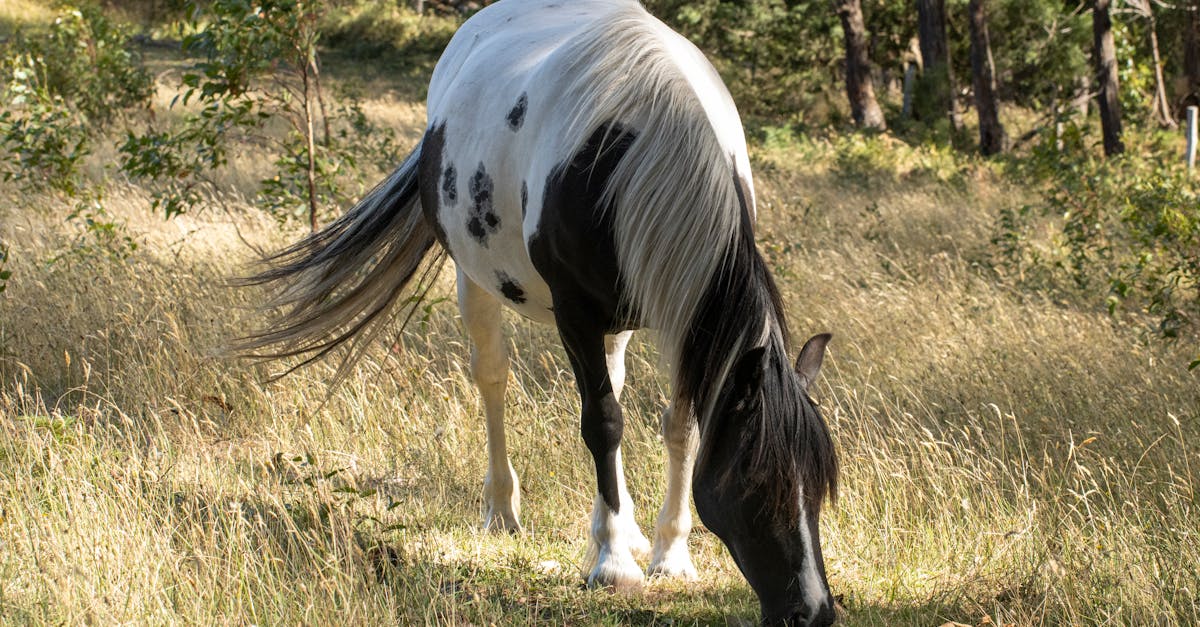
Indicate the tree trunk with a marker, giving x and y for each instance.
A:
(1082, 98)
(983, 69)
(863, 106)
(1104, 53)
(937, 83)
(1161, 107)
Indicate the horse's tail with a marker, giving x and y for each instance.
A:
(345, 282)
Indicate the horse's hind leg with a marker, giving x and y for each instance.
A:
(614, 357)
(489, 369)
(671, 557)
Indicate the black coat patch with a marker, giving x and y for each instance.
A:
(450, 185)
(524, 197)
(428, 173)
(510, 288)
(483, 220)
(516, 116)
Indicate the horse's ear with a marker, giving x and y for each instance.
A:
(748, 372)
(808, 364)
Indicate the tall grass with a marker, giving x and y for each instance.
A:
(1005, 455)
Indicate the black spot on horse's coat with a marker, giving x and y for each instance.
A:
(475, 228)
(510, 288)
(483, 220)
(516, 116)
(524, 197)
(450, 184)
(428, 171)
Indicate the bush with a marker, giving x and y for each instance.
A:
(1128, 226)
(86, 60)
(258, 68)
(373, 28)
(61, 87)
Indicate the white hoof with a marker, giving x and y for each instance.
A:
(673, 564)
(502, 498)
(498, 520)
(616, 570)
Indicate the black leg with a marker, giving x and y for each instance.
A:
(601, 422)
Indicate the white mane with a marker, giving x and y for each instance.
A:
(675, 187)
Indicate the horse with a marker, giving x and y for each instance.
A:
(585, 166)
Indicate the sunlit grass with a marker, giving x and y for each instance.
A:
(1004, 455)
(23, 14)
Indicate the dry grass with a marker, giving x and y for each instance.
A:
(1004, 456)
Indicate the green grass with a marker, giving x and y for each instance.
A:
(1005, 454)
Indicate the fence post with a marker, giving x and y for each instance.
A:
(1191, 137)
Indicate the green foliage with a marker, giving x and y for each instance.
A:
(1130, 227)
(86, 60)
(372, 28)
(61, 86)
(1041, 48)
(258, 69)
(776, 56)
(100, 234)
(45, 137)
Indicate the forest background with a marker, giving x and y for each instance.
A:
(988, 202)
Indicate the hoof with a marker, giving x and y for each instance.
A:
(501, 522)
(616, 572)
(673, 565)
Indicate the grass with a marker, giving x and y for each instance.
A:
(22, 14)
(1007, 457)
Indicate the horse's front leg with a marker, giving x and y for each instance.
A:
(489, 369)
(614, 357)
(601, 423)
(671, 557)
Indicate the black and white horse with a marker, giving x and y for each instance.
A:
(585, 166)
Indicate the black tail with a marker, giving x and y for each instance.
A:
(346, 282)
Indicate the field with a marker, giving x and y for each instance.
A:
(1008, 457)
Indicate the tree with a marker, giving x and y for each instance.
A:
(937, 82)
(983, 71)
(1104, 54)
(863, 106)
(1162, 109)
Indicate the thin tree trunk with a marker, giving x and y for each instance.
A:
(1082, 98)
(910, 81)
(316, 72)
(1161, 106)
(863, 106)
(305, 76)
(991, 133)
(1104, 52)
(938, 78)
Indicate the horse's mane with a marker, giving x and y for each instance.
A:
(685, 245)
(678, 215)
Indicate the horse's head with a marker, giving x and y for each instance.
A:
(766, 464)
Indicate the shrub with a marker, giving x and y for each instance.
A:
(1129, 227)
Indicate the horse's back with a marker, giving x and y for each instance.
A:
(504, 105)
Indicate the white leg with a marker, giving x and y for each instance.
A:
(489, 369)
(610, 555)
(671, 557)
(626, 522)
